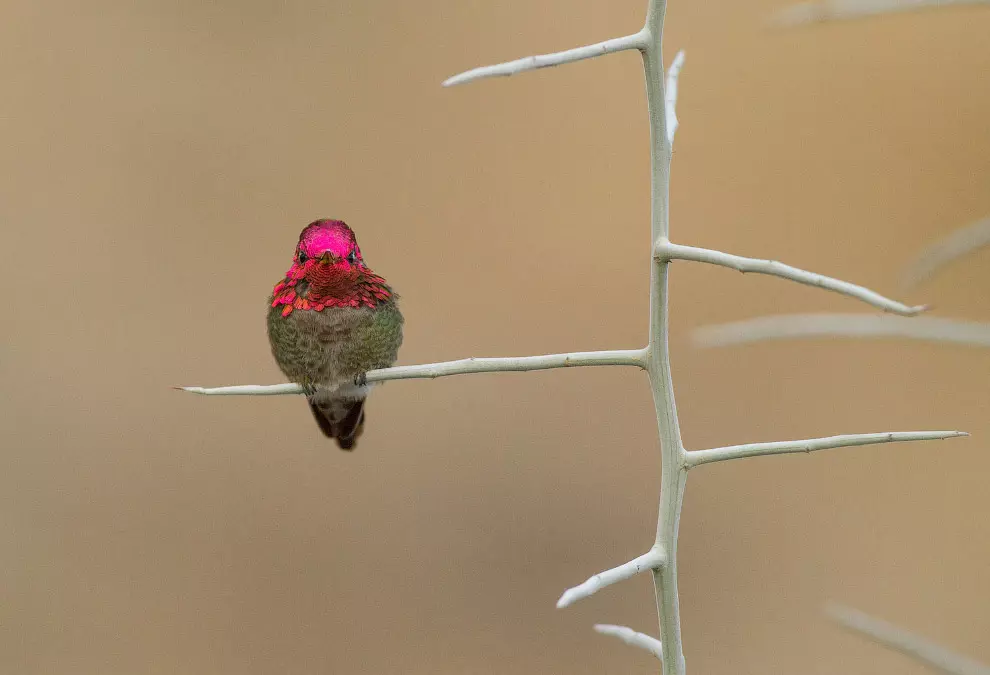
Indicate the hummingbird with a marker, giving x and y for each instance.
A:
(330, 321)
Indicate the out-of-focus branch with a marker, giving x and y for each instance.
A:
(698, 457)
(964, 240)
(820, 11)
(616, 357)
(648, 561)
(665, 250)
(791, 326)
(631, 637)
(900, 640)
(625, 43)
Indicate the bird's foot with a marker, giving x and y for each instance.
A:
(361, 379)
(309, 389)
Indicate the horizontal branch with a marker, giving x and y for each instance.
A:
(671, 103)
(631, 637)
(900, 640)
(820, 11)
(650, 560)
(665, 250)
(627, 42)
(959, 243)
(698, 457)
(615, 357)
(790, 326)
(246, 390)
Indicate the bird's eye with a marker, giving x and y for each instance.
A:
(352, 257)
(303, 257)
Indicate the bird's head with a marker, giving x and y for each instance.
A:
(328, 242)
(328, 271)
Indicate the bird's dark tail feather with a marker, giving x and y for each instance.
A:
(342, 420)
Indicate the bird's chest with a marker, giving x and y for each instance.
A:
(324, 347)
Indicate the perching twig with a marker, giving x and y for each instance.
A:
(819, 11)
(789, 326)
(961, 242)
(631, 637)
(661, 560)
(900, 640)
(617, 357)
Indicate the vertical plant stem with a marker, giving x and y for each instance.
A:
(674, 473)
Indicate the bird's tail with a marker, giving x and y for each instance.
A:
(340, 419)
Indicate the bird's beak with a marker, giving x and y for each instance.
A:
(325, 258)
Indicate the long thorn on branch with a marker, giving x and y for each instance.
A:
(898, 639)
(820, 11)
(627, 42)
(790, 326)
(671, 95)
(648, 561)
(665, 250)
(698, 457)
(615, 357)
(631, 637)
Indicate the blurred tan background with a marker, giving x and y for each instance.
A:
(158, 160)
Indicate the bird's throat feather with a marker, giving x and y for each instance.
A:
(314, 286)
